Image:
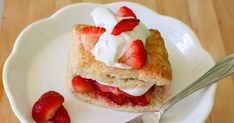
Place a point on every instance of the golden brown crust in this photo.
(157, 69)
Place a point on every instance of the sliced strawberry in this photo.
(144, 99)
(61, 116)
(90, 35)
(114, 90)
(106, 88)
(124, 11)
(82, 84)
(46, 106)
(118, 99)
(125, 25)
(135, 56)
(110, 93)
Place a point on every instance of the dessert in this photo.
(118, 63)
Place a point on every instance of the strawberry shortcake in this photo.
(118, 62)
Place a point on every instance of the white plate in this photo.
(37, 64)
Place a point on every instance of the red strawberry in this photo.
(125, 25)
(61, 116)
(124, 11)
(118, 99)
(135, 56)
(90, 35)
(46, 106)
(110, 93)
(144, 99)
(106, 88)
(82, 85)
(114, 90)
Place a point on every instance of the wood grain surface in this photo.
(212, 20)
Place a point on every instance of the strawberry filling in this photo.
(109, 93)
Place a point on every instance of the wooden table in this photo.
(212, 20)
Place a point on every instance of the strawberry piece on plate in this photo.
(61, 116)
(90, 36)
(45, 108)
(125, 25)
(135, 56)
(82, 85)
(124, 11)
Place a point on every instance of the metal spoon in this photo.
(222, 69)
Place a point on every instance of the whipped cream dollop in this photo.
(110, 48)
(137, 91)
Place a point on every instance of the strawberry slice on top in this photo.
(124, 11)
(135, 56)
(125, 25)
(90, 36)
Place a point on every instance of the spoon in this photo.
(222, 69)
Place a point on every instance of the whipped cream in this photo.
(137, 91)
(110, 48)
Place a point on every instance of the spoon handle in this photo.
(221, 70)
